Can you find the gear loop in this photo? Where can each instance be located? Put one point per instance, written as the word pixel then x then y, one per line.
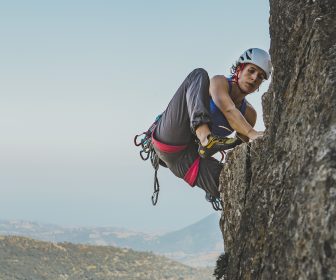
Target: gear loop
pixel 148 152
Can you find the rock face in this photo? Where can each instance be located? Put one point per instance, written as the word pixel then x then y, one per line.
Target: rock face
pixel 279 193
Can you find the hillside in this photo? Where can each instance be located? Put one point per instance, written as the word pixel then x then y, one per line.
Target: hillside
pixel 23 259
pixel 87 235
pixel 203 236
pixel 198 244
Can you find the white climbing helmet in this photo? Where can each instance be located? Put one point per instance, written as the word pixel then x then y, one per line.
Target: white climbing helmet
pixel 257 57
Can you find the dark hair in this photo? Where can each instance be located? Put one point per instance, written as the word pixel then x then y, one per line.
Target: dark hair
pixel 233 70
pixel 234 67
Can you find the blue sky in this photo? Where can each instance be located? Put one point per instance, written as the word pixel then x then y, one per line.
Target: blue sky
pixel 80 78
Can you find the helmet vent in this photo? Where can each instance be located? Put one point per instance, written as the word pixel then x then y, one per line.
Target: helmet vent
pixel 242 58
pixel 247 56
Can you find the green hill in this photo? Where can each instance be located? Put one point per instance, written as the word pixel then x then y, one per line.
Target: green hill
pixel 28 259
pixel 198 245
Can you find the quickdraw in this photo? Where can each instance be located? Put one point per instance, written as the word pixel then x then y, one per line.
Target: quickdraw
pixel 216 202
pixel 147 152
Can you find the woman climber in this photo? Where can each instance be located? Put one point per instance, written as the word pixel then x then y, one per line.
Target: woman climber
pixel 201 115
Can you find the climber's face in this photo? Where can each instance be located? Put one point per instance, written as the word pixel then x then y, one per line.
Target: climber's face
pixel 250 78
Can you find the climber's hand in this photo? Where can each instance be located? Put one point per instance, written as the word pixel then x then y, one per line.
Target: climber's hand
pixel 253 134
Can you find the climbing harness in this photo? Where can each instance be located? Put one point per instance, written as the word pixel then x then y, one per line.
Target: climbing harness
pixel 147 151
pixel 144 140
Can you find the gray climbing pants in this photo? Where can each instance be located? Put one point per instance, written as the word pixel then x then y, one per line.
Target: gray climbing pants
pixel 174 136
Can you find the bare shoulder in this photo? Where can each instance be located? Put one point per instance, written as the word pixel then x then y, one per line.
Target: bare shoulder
pixel 250 114
pixel 219 83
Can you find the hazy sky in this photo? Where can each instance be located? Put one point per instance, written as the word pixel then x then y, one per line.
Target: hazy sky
pixel 78 79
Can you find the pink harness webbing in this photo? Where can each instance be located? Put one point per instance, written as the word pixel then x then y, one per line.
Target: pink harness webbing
pixel 191 175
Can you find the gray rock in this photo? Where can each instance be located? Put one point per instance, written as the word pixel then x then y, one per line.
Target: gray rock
pixel 279 192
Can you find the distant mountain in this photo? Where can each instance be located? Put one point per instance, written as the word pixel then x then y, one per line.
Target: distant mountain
pixel 198 244
pixel 86 235
pixel 203 236
pixel 23 258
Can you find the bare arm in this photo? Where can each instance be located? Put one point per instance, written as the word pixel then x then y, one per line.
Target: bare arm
pixel 251 117
pixel 219 91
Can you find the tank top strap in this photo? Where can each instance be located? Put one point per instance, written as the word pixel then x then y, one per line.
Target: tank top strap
pixel 243 106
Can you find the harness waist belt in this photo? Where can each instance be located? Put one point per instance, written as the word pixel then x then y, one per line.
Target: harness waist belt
pixel 167 148
pixel 192 173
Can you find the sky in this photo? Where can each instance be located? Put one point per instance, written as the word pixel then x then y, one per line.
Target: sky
pixel 79 79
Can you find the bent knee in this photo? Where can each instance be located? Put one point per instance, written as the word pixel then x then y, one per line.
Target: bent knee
pixel 200 72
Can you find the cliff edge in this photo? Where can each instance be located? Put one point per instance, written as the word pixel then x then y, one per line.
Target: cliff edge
pixel 279 192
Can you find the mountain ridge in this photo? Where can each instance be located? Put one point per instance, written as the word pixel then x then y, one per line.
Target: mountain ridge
pixel 198 244
pixel 25 258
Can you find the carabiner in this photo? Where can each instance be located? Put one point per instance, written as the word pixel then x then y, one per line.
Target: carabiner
pixel 146 156
pixel 217 204
pixel 135 140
